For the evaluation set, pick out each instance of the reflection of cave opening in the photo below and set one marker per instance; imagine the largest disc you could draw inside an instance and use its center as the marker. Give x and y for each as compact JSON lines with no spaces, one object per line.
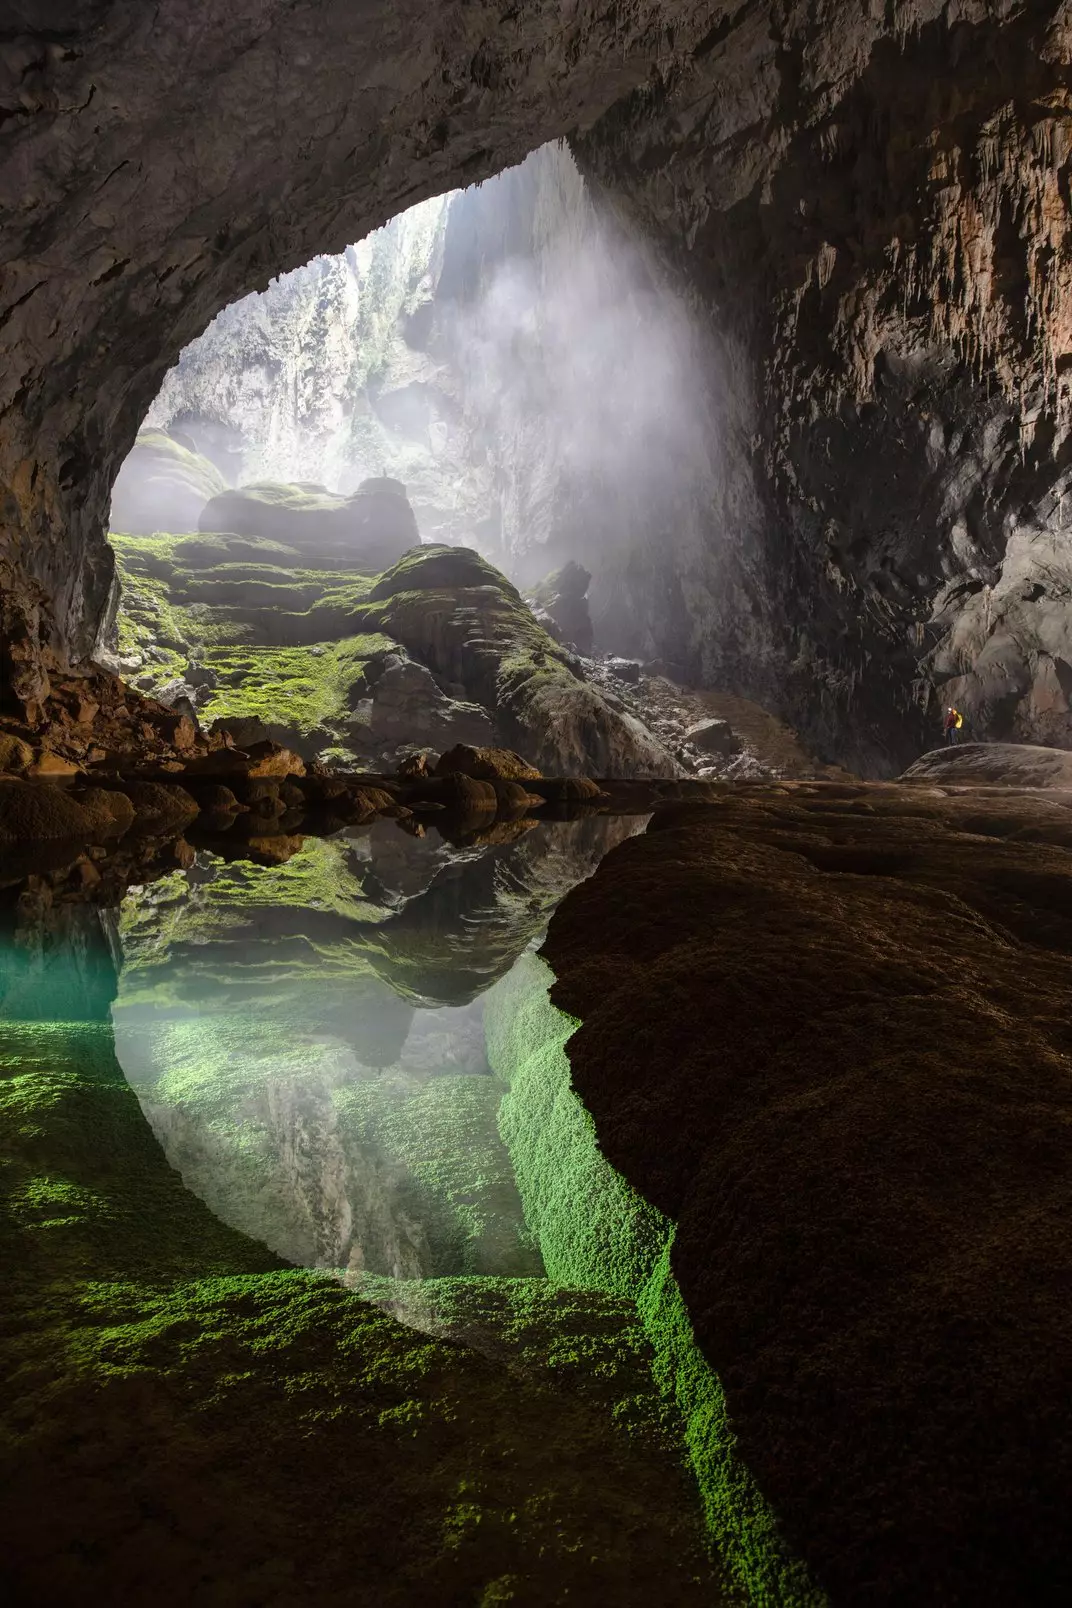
{"x":511,"y":355}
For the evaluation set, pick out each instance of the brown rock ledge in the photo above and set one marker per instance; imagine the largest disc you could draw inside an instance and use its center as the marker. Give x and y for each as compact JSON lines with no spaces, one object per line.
{"x":826,"y":1029}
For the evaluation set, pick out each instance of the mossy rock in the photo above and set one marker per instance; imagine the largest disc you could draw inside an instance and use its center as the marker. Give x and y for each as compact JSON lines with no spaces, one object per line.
{"x":370,"y":529}
{"x":107,"y":810}
{"x":439,"y":568}
{"x":15,"y":755}
{"x":486,"y":764}
{"x":163,"y":485}
{"x":32,"y":810}
{"x":158,"y":805}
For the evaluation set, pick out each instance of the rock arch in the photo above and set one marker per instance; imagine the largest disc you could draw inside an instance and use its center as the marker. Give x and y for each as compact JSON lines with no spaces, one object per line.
{"x":158,"y":162}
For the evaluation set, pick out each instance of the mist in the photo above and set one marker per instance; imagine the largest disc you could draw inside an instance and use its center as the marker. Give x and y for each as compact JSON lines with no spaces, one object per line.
{"x":581,"y":368}
{"x":511,"y":353}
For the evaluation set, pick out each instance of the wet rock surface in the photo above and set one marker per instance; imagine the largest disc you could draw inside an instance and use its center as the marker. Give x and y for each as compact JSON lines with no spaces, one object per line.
{"x":824,"y":1029}
{"x":1001,"y":764}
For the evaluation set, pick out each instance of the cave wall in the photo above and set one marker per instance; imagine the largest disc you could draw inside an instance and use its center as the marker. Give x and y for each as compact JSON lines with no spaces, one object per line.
{"x":867,"y":210}
{"x":875,"y":209}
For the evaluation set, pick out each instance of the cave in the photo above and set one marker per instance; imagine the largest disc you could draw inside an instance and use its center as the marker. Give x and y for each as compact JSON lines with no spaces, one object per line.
{"x":535,"y":770}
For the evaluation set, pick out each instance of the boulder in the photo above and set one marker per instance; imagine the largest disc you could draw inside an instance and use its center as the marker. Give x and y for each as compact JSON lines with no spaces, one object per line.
{"x":627,"y":670}
{"x":369,"y":530}
{"x":560,"y":602}
{"x":215,"y":798}
{"x":107,"y":810}
{"x":994,"y":764}
{"x":408,"y":706}
{"x":461,"y":617}
{"x":486,"y":764}
{"x":15,"y":755}
{"x":48,"y":764}
{"x":567,"y":789}
{"x":715,"y":737}
{"x":159,"y":805}
{"x":466,"y":794}
{"x":416,"y":767}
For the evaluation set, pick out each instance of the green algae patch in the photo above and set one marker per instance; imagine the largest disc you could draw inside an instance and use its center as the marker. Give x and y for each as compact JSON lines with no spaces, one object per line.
{"x":594,"y":1229}
{"x":181,"y":1411}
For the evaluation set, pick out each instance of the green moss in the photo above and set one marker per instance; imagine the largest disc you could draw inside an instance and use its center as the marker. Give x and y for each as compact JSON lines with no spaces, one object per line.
{"x":176,"y":1394}
{"x":169,"y":461}
{"x":289,"y":686}
{"x":593,"y":1229}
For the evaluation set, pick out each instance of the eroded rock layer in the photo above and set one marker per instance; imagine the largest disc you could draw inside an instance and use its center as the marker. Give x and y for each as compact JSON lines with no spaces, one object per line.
{"x":824,"y":1029}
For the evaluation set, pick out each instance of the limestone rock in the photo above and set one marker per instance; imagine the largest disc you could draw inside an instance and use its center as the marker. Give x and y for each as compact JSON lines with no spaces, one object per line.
{"x":31,"y":810}
{"x":163,"y":485}
{"x":563,"y":597}
{"x":461,"y":617}
{"x":860,"y":997}
{"x":48,"y":764}
{"x":486,"y":764}
{"x":158,"y":805}
{"x":370,"y":529}
{"x":408,"y":706}
{"x":995,"y":764}
{"x":107,"y":810}
{"x":715,"y":737}
{"x":16,"y":755}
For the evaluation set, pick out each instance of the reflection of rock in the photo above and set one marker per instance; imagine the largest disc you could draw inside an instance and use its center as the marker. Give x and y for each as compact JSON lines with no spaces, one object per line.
{"x":477,"y":917}
{"x":261,"y":1022}
{"x":163,"y":485}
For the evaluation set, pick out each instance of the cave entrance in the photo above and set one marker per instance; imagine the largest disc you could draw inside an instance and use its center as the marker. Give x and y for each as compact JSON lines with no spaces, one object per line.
{"x":505,"y":370}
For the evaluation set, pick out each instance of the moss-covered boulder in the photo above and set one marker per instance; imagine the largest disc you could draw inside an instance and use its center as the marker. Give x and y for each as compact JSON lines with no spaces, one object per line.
{"x":369,"y":529}
{"x":460,"y":616}
{"x":163,"y":485}
{"x":486,"y":764}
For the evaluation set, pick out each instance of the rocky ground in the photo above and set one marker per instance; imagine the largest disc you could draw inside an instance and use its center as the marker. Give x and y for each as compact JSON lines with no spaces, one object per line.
{"x":824,"y":1029}
{"x":321,"y":622}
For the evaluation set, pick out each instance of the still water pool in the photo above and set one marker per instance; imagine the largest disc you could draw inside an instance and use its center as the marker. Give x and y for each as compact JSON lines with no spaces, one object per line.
{"x":307,"y":1040}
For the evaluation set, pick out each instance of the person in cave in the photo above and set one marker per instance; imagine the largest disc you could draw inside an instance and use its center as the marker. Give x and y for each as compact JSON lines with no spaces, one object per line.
{"x":954,"y":722}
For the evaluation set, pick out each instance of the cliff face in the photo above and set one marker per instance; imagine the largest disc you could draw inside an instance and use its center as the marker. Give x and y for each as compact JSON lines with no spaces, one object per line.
{"x":868,"y":214}
{"x":879,"y":223}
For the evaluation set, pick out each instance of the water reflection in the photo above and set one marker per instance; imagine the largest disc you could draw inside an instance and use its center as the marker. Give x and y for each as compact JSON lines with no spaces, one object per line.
{"x":307,"y":1039}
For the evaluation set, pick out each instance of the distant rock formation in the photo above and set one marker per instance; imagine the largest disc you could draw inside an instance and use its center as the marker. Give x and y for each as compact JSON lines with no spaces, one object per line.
{"x":369,"y":530}
{"x":560,"y":603}
{"x":163,"y":485}
{"x":324,"y":620}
